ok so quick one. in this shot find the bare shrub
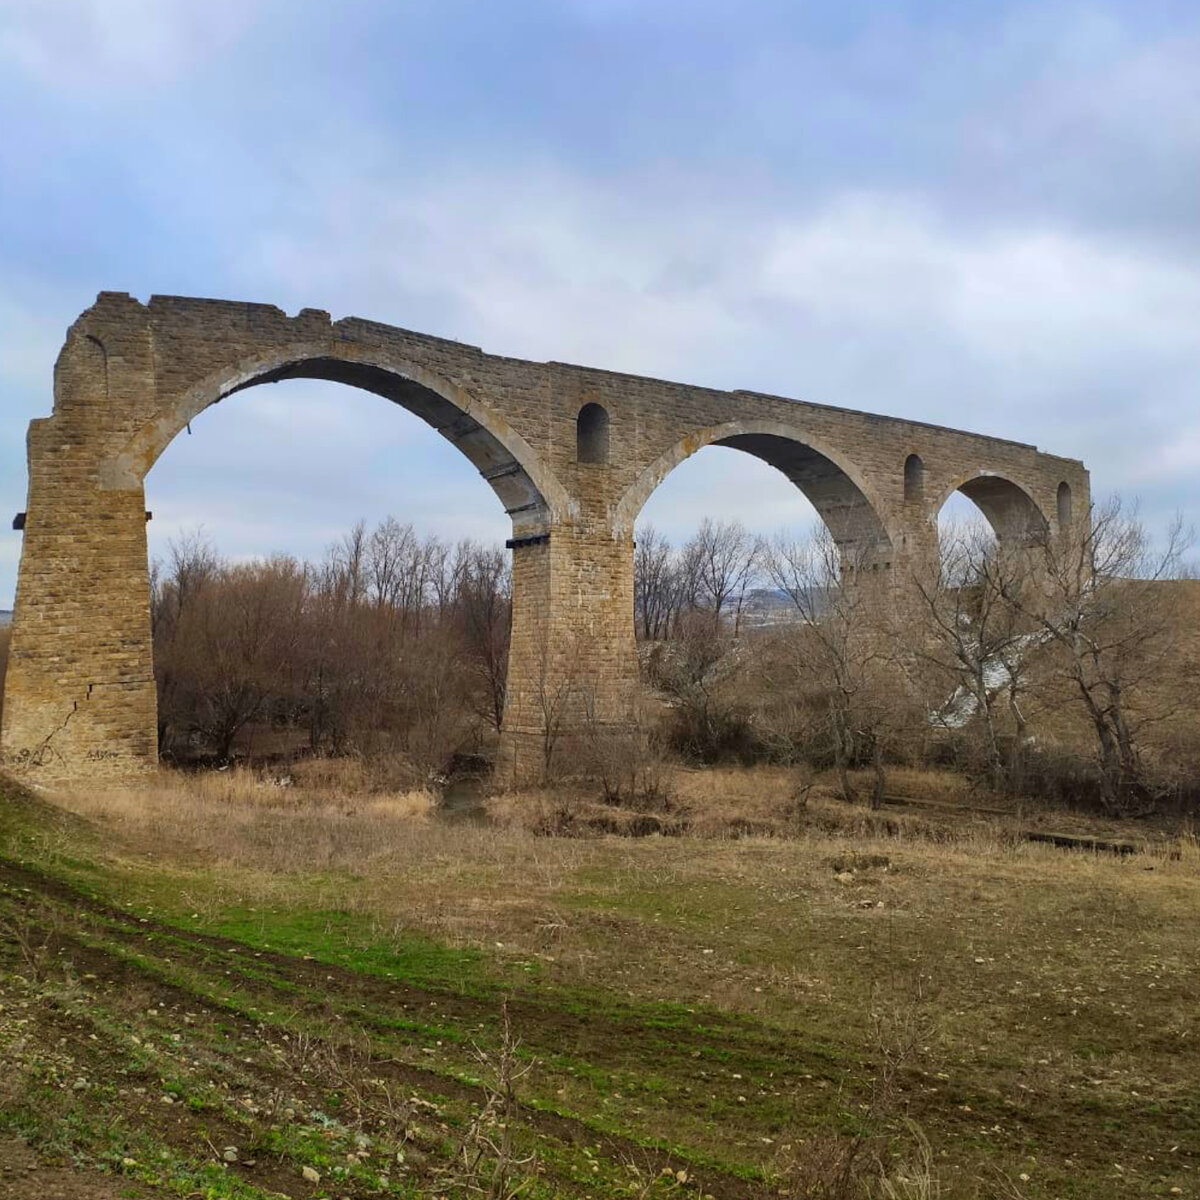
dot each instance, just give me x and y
(1095, 597)
(487, 1162)
(844, 655)
(627, 762)
(825, 1166)
(861, 1165)
(393, 647)
(346, 1065)
(36, 935)
(698, 671)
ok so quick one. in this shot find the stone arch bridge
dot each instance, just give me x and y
(571, 453)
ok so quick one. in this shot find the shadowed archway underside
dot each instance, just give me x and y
(839, 501)
(1009, 509)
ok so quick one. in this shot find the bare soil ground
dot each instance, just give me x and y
(23, 1176)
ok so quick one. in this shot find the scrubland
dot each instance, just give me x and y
(793, 933)
(774, 999)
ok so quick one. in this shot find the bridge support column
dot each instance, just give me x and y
(916, 559)
(572, 667)
(79, 695)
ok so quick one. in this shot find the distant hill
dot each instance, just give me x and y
(772, 606)
(5, 617)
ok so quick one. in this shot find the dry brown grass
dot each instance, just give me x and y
(318, 818)
(1010, 969)
(925, 806)
(1003, 972)
(581, 902)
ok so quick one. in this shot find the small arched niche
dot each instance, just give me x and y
(591, 434)
(914, 478)
(1064, 505)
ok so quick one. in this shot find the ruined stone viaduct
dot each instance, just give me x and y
(571, 453)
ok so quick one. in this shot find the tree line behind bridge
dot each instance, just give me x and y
(1057, 669)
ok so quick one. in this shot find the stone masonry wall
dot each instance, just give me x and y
(80, 697)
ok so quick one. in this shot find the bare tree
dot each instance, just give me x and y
(391, 556)
(557, 694)
(230, 646)
(1099, 602)
(485, 604)
(192, 564)
(447, 566)
(841, 648)
(725, 561)
(978, 641)
(350, 558)
(656, 585)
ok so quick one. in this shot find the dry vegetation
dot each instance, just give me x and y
(393, 647)
(1057, 669)
(851, 1000)
(787, 937)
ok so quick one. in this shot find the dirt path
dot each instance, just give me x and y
(24, 1177)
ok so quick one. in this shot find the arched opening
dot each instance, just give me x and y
(839, 501)
(830, 485)
(1008, 508)
(914, 479)
(1064, 505)
(730, 487)
(717, 525)
(699, 538)
(591, 434)
(292, 468)
(372, 632)
(511, 468)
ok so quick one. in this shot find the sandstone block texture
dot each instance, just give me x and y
(572, 454)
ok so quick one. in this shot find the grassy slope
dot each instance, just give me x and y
(697, 1005)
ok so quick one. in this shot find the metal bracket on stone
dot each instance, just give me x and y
(513, 468)
(19, 519)
(538, 539)
(520, 508)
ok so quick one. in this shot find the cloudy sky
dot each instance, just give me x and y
(984, 214)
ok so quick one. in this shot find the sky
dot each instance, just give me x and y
(977, 214)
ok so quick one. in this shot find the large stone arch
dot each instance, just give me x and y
(529, 492)
(80, 696)
(1008, 506)
(834, 486)
(80, 689)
